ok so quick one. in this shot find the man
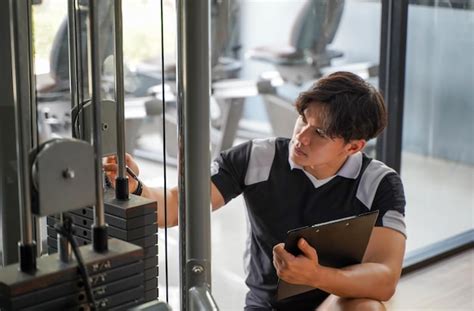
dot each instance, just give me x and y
(317, 176)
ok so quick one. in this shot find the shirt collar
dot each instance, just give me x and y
(352, 166)
(350, 169)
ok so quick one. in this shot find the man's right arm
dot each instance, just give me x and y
(158, 194)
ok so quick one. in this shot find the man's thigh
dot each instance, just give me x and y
(335, 303)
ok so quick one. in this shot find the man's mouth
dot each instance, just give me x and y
(298, 151)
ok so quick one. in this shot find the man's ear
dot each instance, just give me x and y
(355, 145)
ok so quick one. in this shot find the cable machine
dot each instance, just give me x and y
(62, 179)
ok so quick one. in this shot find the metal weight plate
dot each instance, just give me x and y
(108, 126)
(63, 174)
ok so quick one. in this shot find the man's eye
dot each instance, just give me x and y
(320, 133)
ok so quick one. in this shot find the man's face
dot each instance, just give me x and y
(310, 147)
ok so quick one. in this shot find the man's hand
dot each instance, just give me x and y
(302, 269)
(110, 167)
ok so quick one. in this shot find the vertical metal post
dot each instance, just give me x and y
(121, 189)
(22, 83)
(63, 245)
(72, 48)
(33, 111)
(193, 83)
(78, 62)
(99, 234)
(9, 213)
(32, 107)
(180, 42)
(392, 79)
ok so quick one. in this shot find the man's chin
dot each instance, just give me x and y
(296, 159)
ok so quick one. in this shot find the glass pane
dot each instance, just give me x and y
(438, 150)
(143, 111)
(51, 68)
(285, 45)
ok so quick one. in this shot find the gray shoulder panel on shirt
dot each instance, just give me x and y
(395, 220)
(261, 160)
(370, 180)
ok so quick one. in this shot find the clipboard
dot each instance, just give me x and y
(339, 243)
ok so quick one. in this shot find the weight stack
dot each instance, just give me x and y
(116, 278)
(133, 221)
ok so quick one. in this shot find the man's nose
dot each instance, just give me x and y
(303, 136)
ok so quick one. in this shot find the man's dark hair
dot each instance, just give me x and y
(351, 107)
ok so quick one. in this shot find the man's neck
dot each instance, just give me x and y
(326, 170)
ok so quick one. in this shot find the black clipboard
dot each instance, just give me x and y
(339, 243)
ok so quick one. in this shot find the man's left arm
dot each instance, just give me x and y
(375, 278)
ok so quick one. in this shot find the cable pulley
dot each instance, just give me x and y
(62, 171)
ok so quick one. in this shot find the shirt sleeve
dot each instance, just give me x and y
(390, 202)
(228, 170)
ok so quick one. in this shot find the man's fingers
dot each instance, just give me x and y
(110, 167)
(276, 264)
(307, 250)
(111, 159)
(132, 164)
(111, 176)
(277, 261)
(281, 253)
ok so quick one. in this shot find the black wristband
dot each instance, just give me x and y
(139, 189)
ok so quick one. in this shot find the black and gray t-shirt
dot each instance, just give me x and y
(281, 195)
